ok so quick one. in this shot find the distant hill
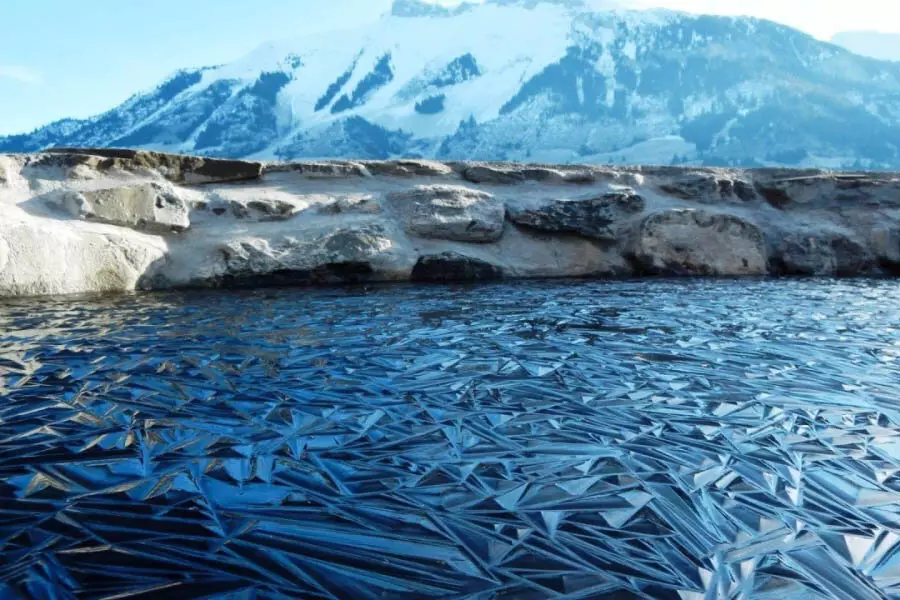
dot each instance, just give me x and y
(531, 80)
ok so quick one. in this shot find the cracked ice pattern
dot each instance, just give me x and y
(538, 440)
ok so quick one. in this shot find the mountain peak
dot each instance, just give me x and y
(420, 8)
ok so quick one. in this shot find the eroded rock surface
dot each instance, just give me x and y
(450, 266)
(698, 242)
(145, 207)
(450, 212)
(598, 217)
(45, 259)
(342, 255)
(141, 221)
(174, 167)
(821, 253)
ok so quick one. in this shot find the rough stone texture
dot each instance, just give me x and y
(354, 203)
(709, 187)
(47, 259)
(175, 167)
(257, 209)
(598, 217)
(820, 253)
(321, 170)
(697, 242)
(450, 212)
(146, 207)
(450, 266)
(886, 248)
(340, 221)
(340, 255)
(512, 174)
(800, 190)
(408, 168)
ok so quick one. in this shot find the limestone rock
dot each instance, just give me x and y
(820, 253)
(47, 258)
(145, 207)
(697, 242)
(596, 216)
(342, 255)
(450, 212)
(451, 266)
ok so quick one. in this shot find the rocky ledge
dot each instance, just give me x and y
(92, 220)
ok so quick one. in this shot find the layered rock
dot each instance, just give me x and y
(598, 217)
(150, 220)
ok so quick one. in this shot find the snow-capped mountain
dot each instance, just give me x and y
(531, 80)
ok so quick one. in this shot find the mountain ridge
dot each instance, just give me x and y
(613, 85)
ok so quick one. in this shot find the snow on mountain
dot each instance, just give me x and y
(536, 80)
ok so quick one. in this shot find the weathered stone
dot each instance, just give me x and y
(339, 255)
(597, 217)
(886, 247)
(450, 212)
(697, 242)
(49, 258)
(354, 203)
(820, 253)
(451, 266)
(492, 175)
(512, 174)
(4, 254)
(408, 168)
(709, 187)
(257, 209)
(321, 169)
(145, 207)
(174, 167)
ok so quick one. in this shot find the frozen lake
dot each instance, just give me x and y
(664, 439)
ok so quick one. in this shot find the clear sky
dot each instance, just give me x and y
(60, 58)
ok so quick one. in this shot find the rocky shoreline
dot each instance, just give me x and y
(102, 220)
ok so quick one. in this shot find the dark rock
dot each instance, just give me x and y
(596, 217)
(708, 187)
(450, 266)
(820, 253)
(330, 273)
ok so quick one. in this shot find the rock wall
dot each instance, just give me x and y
(85, 220)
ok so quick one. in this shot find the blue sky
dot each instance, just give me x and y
(60, 58)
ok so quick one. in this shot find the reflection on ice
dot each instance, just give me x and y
(583, 440)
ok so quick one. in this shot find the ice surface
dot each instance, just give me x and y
(689, 440)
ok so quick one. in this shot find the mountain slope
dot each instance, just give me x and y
(537, 80)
